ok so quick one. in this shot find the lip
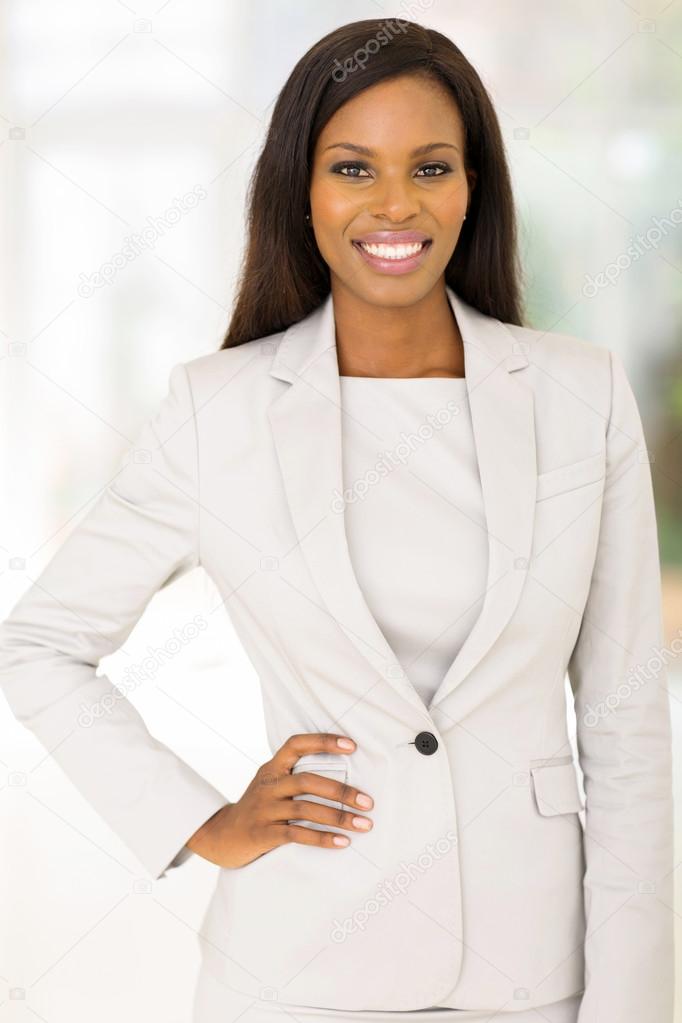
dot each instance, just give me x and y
(393, 238)
(393, 266)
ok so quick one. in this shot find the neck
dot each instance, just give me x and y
(418, 340)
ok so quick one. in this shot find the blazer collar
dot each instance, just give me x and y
(306, 431)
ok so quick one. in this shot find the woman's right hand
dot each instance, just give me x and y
(241, 832)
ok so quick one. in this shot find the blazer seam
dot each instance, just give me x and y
(559, 678)
(196, 465)
(611, 387)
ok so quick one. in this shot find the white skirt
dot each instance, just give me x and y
(215, 1003)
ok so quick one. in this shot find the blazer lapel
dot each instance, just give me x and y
(306, 431)
(502, 416)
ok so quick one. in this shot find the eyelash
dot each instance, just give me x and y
(338, 167)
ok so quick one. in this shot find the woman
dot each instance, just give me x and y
(420, 515)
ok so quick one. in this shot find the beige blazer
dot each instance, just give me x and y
(485, 882)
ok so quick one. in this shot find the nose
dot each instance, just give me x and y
(395, 199)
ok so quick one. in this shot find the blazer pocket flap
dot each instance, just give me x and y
(556, 789)
(327, 765)
(322, 763)
(570, 477)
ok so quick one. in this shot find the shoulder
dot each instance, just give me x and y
(548, 347)
(246, 364)
(561, 361)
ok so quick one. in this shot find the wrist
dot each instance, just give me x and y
(198, 839)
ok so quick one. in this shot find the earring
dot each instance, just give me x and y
(307, 217)
(464, 217)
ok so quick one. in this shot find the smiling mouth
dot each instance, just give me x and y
(394, 252)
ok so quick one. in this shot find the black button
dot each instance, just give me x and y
(426, 743)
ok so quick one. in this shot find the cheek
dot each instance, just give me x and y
(448, 206)
(332, 216)
(331, 205)
(331, 242)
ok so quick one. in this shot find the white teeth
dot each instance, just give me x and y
(393, 251)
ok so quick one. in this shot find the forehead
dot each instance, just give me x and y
(398, 114)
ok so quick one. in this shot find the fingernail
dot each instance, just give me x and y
(362, 823)
(363, 800)
(341, 840)
(345, 743)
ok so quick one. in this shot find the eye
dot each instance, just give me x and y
(441, 168)
(338, 168)
(352, 169)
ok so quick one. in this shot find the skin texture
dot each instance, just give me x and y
(386, 326)
(242, 831)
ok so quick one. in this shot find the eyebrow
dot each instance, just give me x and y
(419, 151)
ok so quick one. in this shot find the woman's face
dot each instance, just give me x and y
(370, 184)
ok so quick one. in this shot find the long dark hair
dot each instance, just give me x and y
(283, 276)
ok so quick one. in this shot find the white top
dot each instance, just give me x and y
(414, 516)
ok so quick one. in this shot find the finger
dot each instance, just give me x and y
(310, 783)
(309, 742)
(301, 835)
(306, 809)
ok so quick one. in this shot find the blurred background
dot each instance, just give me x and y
(127, 136)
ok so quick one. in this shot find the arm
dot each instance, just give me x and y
(140, 534)
(618, 678)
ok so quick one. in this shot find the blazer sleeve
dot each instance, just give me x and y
(618, 677)
(140, 534)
